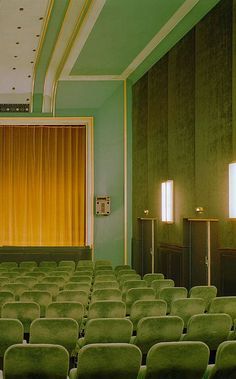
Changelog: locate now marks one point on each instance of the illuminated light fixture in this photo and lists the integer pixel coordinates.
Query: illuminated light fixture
(167, 201)
(232, 190)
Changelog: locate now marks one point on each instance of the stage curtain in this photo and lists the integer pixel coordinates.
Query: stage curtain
(42, 185)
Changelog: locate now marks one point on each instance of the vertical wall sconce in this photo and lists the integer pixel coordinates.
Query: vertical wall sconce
(232, 190)
(167, 201)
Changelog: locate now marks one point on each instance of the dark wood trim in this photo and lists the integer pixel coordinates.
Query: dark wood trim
(227, 269)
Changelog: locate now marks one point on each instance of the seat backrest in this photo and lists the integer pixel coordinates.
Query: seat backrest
(106, 309)
(8, 264)
(207, 293)
(24, 312)
(124, 278)
(177, 360)
(85, 263)
(150, 277)
(102, 262)
(58, 280)
(103, 268)
(81, 278)
(50, 264)
(4, 280)
(128, 271)
(83, 273)
(105, 284)
(209, 328)
(59, 331)
(11, 332)
(106, 294)
(134, 294)
(67, 263)
(124, 361)
(79, 296)
(146, 308)
(80, 286)
(157, 285)
(151, 330)
(122, 267)
(225, 362)
(64, 274)
(128, 284)
(186, 308)
(28, 281)
(104, 278)
(36, 361)
(224, 304)
(43, 298)
(36, 274)
(172, 293)
(6, 297)
(49, 287)
(16, 288)
(108, 330)
(28, 264)
(104, 272)
(66, 309)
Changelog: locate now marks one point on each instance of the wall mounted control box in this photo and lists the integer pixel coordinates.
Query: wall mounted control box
(103, 205)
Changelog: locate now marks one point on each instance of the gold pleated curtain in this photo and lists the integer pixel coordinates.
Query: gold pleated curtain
(42, 185)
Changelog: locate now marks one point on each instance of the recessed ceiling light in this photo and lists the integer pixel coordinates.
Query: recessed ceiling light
(21, 9)
(32, 62)
(34, 49)
(17, 43)
(37, 35)
(13, 88)
(40, 18)
(13, 68)
(18, 27)
(29, 76)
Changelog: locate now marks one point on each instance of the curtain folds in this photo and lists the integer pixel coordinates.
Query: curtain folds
(42, 185)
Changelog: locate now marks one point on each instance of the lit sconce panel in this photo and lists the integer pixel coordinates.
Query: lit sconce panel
(232, 190)
(167, 201)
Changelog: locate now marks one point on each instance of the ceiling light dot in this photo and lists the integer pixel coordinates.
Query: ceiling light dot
(13, 68)
(37, 35)
(13, 88)
(27, 99)
(17, 43)
(40, 18)
(34, 49)
(15, 56)
(21, 9)
(32, 62)
(18, 27)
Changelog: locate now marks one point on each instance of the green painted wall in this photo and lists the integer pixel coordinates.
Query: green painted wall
(182, 129)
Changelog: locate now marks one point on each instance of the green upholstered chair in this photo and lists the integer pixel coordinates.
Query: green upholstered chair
(24, 312)
(28, 281)
(106, 294)
(207, 293)
(134, 294)
(232, 333)
(126, 277)
(39, 275)
(65, 274)
(66, 309)
(172, 293)
(8, 265)
(19, 270)
(157, 285)
(146, 308)
(50, 264)
(43, 298)
(58, 280)
(125, 272)
(105, 284)
(80, 286)
(81, 278)
(104, 278)
(151, 330)
(68, 269)
(106, 309)
(11, 332)
(103, 268)
(121, 267)
(128, 284)
(29, 265)
(70, 264)
(83, 273)
(176, 360)
(84, 269)
(225, 304)
(186, 308)
(49, 287)
(107, 330)
(10, 274)
(4, 280)
(78, 296)
(104, 272)
(46, 269)
(225, 362)
(6, 297)
(41, 361)
(16, 288)
(102, 262)
(59, 331)
(211, 329)
(85, 263)
(106, 361)
(150, 277)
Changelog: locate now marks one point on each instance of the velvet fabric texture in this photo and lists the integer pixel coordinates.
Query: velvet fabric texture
(79, 296)
(207, 293)
(225, 363)
(24, 312)
(223, 304)
(106, 309)
(146, 308)
(186, 308)
(66, 309)
(43, 298)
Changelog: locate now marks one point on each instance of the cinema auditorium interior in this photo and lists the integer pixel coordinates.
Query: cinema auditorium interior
(118, 189)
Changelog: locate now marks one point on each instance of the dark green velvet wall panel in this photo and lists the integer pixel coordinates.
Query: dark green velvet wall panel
(184, 103)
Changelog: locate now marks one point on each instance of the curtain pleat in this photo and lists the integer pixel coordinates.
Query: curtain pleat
(43, 186)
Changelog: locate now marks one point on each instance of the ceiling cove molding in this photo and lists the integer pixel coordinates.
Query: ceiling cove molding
(69, 24)
(84, 78)
(187, 6)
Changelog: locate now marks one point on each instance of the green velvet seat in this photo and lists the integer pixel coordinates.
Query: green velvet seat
(186, 308)
(19, 270)
(121, 267)
(16, 288)
(28, 281)
(150, 277)
(104, 278)
(68, 269)
(103, 268)
(43, 298)
(232, 333)
(157, 285)
(53, 289)
(6, 297)
(48, 264)
(225, 304)
(58, 280)
(4, 280)
(45, 269)
(10, 274)
(128, 284)
(209, 328)
(84, 268)
(11, 332)
(106, 294)
(207, 293)
(29, 265)
(106, 309)
(78, 286)
(24, 312)
(125, 272)
(225, 362)
(79, 296)
(70, 264)
(126, 277)
(59, 331)
(85, 263)
(104, 272)
(172, 293)
(107, 330)
(134, 294)
(146, 308)
(42, 361)
(8, 265)
(66, 309)
(176, 360)
(102, 262)
(105, 284)
(81, 278)
(65, 274)
(83, 273)
(36, 274)
(151, 330)
(107, 361)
